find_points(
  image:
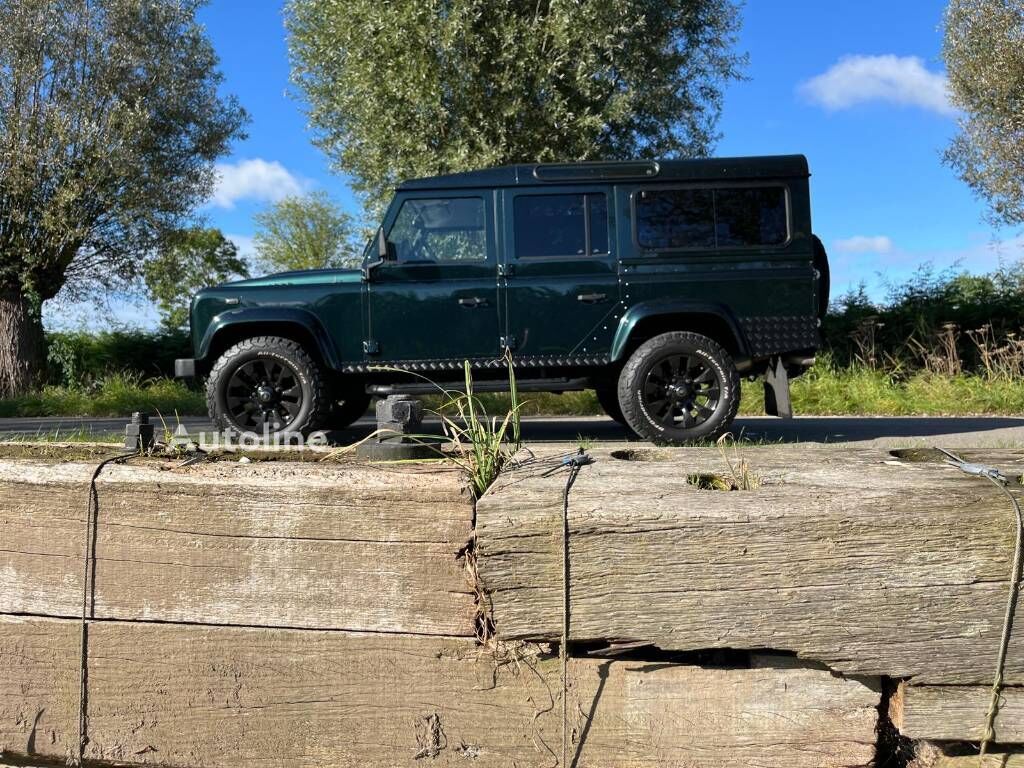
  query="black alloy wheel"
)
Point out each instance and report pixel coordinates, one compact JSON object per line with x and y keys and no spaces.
{"x":263,"y":394}
{"x":679,"y":387}
{"x":267,"y":385}
{"x":681,"y":391}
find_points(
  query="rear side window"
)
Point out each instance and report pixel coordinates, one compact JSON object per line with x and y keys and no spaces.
{"x":560,"y":225}
{"x":753,"y":216}
{"x":711,"y":218}
{"x":676,"y":218}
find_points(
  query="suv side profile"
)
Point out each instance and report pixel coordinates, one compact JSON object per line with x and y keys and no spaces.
{"x":655,"y":283}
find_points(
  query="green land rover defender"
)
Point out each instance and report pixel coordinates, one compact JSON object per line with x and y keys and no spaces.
{"x":656,"y":284}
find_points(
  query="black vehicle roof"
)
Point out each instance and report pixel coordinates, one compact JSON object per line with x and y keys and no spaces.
{"x":709,"y":169}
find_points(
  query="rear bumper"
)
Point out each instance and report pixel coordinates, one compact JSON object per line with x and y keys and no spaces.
{"x":185,"y":368}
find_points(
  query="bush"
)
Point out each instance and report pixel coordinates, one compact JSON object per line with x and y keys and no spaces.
{"x":117,"y":395}
{"x":80,"y":358}
{"x":928,"y":322}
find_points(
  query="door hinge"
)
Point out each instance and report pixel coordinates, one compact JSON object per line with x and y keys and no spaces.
{"x":371,"y":347}
{"x":506,"y":270}
{"x":508,"y":342}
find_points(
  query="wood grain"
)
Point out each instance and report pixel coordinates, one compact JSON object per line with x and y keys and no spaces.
{"x":270,"y":544}
{"x":872,"y":565}
{"x":991,"y":760}
{"x":956,"y":713}
{"x":217,"y":697}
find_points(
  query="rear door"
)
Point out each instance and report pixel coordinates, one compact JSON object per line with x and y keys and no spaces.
{"x":438,"y":299}
{"x":561,"y":284}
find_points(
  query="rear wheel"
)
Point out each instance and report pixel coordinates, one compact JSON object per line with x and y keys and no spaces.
{"x":351,"y":404}
{"x":266,"y":385}
{"x":679,"y":387}
{"x":608,"y":397}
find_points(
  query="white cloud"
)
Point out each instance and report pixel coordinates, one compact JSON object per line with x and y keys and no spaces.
{"x":254,"y":179}
{"x":244,"y":243}
{"x":864,"y":244}
{"x":902,"y":80}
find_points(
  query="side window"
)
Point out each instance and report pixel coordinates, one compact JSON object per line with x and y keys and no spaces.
{"x":449,"y":229}
{"x":753,"y":216}
{"x":560,"y":225}
{"x":711,"y":218}
{"x":675,"y":218}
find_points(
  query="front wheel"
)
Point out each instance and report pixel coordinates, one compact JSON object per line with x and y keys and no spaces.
{"x":266,"y":385}
{"x":678,"y":388}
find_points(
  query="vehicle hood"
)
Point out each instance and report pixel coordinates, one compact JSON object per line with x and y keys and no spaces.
{"x":300,"y":277}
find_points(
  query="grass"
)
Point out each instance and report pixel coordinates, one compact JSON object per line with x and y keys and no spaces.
{"x":825,"y":390}
{"x":829,"y":391}
{"x":115,"y":395}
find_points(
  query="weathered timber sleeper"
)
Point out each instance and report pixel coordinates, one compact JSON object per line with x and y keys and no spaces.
{"x":869,"y":564}
{"x":220,"y":697}
{"x":304,"y":544}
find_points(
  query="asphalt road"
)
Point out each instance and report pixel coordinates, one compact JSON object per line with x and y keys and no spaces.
{"x":982,"y":431}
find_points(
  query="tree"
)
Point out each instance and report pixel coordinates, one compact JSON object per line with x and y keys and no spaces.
{"x":984,"y":53}
{"x":110,"y":121}
{"x":419,"y":87}
{"x":189,"y":260}
{"x":305,"y":232}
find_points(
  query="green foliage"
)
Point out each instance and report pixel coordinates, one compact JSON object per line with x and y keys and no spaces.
{"x":308,"y":232}
{"x":110,"y":121}
{"x":984,"y":53}
{"x":412,"y":88}
{"x":115,"y":396}
{"x":78,"y":359}
{"x":899,"y":332}
{"x":189,"y":260}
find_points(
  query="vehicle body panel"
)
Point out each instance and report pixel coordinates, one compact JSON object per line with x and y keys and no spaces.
{"x":558,"y":306}
{"x":557,"y":313}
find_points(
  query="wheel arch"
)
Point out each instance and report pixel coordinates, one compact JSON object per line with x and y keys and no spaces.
{"x":299,"y":326}
{"x":645,"y":321}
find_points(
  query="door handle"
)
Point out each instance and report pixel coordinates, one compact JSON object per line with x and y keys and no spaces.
{"x":472,"y":302}
{"x":591,"y":298}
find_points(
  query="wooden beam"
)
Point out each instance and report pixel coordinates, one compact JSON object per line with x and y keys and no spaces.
{"x":956,"y":713}
{"x":871,"y":564}
{"x":220,"y":697}
{"x":991,"y":760}
{"x":272,"y":544}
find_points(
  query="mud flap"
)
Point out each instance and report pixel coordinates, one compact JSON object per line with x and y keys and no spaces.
{"x":776,"y":390}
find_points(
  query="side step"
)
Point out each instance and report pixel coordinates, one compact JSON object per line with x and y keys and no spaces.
{"x":522,"y":385}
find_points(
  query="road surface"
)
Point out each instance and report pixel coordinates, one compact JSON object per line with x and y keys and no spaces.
{"x":981,"y":431}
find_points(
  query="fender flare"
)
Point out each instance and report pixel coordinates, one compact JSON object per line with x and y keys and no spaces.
{"x":663,"y":307}
{"x":252,"y":316}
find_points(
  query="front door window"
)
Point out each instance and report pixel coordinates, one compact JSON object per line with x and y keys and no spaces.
{"x":438,"y":230}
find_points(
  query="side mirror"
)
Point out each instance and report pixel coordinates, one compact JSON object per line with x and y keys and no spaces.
{"x":384,"y":253}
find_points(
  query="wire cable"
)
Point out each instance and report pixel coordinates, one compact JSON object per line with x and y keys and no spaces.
{"x":575,"y":464}
{"x":88,"y":581}
{"x":998,"y":479}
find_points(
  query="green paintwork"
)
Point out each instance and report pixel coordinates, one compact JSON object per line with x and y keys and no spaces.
{"x":564,"y":316}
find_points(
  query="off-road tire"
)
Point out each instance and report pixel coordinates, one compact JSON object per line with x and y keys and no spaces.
{"x":710,"y":355}
{"x":608,"y":398}
{"x":349,"y":405}
{"x":314,"y":404}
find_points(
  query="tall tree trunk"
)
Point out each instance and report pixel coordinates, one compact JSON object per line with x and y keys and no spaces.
{"x":22,"y":347}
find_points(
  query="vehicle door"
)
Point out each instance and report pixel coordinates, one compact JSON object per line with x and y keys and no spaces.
{"x":436,"y":297}
{"x":560,"y":272}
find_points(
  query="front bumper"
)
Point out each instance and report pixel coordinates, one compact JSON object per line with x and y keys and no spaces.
{"x":185,"y":368}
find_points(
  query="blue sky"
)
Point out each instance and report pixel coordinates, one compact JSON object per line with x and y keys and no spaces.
{"x":856,"y":86}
